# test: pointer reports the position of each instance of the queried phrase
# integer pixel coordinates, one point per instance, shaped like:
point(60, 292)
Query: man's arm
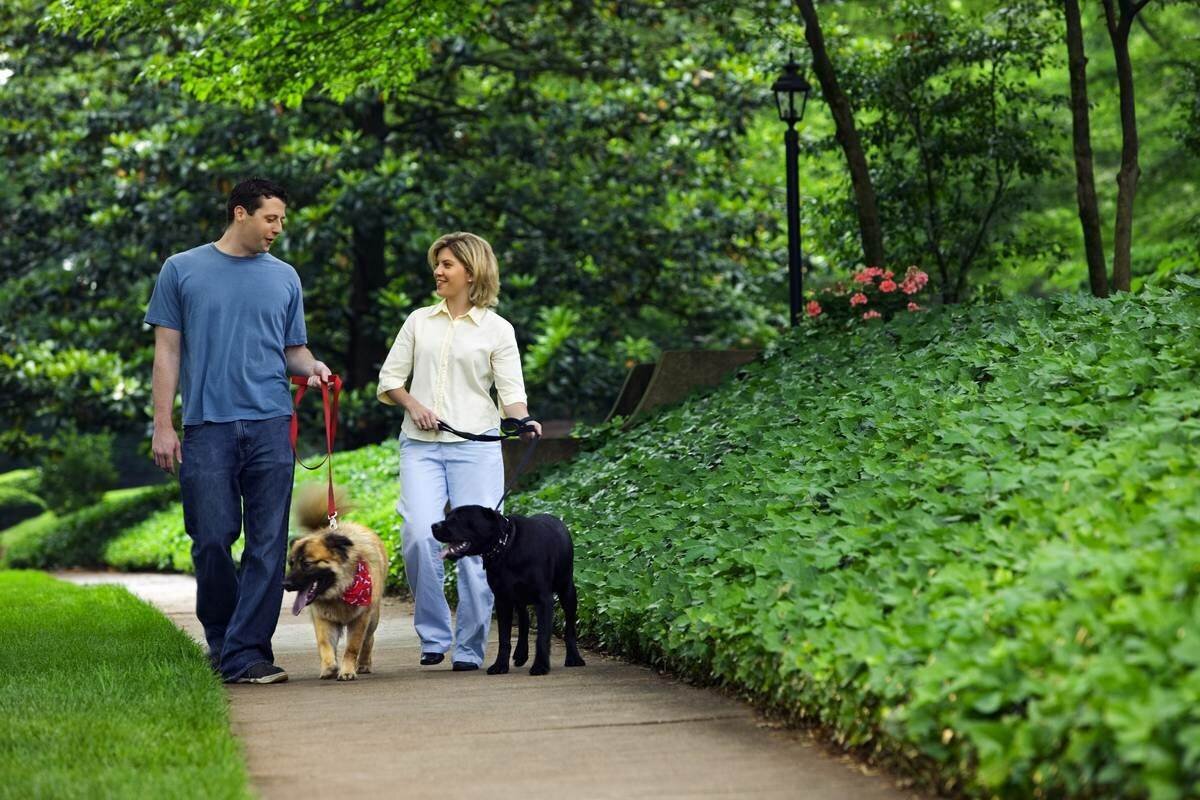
point(165, 444)
point(300, 361)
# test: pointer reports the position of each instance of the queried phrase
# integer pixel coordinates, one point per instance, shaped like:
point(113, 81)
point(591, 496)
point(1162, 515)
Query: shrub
point(77, 470)
point(18, 498)
point(873, 293)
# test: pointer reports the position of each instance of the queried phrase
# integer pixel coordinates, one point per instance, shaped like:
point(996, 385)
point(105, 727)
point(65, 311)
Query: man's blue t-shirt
point(236, 316)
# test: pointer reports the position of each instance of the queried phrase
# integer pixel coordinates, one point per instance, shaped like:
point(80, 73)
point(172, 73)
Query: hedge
point(368, 475)
point(78, 539)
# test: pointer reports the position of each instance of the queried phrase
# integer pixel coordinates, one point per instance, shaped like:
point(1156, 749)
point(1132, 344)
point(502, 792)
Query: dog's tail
point(311, 505)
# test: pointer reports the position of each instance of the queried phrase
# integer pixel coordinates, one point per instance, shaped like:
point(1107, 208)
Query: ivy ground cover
point(968, 542)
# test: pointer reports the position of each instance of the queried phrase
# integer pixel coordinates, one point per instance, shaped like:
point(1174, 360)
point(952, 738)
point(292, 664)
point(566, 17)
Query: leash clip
point(333, 521)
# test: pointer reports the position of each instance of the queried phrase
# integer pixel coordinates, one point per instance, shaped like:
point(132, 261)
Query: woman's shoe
point(429, 659)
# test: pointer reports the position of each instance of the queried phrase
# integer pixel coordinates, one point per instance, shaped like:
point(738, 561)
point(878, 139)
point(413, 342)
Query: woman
point(454, 351)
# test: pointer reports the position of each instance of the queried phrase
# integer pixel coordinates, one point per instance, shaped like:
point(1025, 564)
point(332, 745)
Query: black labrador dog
point(528, 561)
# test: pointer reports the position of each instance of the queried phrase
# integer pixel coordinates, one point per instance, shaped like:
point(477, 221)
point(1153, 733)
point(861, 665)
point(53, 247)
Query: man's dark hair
point(249, 194)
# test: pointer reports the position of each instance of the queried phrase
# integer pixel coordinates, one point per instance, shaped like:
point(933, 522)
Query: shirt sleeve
point(506, 369)
point(399, 362)
point(295, 332)
point(165, 308)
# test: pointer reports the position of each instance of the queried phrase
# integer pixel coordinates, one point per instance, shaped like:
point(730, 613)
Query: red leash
point(330, 430)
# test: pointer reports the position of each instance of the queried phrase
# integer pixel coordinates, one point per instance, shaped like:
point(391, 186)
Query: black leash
point(510, 428)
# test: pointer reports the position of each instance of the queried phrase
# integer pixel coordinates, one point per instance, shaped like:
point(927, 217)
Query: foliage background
point(624, 158)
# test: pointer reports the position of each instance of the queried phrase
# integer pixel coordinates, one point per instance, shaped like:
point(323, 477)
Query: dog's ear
point(339, 544)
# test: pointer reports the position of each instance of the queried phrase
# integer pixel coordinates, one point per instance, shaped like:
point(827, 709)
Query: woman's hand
point(537, 430)
point(424, 419)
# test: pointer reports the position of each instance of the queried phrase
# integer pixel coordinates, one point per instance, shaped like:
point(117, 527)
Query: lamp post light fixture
point(791, 110)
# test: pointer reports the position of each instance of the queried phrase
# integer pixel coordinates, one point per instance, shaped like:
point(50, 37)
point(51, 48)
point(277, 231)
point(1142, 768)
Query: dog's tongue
point(304, 597)
point(454, 550)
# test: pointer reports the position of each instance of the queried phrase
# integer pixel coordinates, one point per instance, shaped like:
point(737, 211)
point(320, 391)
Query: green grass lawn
point(101, 696)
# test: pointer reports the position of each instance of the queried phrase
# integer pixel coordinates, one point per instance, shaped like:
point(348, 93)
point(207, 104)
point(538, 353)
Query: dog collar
point(503, 543)
point(359, 593)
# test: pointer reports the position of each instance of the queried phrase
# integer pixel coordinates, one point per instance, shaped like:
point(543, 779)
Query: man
point(229, 327)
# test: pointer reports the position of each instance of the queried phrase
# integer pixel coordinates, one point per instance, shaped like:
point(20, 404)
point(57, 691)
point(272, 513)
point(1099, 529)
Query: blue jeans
point(465, 473)
point(235, 475)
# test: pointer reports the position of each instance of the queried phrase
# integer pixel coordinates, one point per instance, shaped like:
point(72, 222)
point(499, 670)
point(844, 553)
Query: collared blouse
point(453, 363)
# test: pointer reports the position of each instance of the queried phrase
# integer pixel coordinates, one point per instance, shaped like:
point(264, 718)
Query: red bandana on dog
point(359, 593)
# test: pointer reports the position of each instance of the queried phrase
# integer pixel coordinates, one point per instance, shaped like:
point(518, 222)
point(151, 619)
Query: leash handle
point(332, 386)
point(510, 427)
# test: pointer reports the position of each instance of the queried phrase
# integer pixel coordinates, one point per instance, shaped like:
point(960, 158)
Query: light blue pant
point(465, 473)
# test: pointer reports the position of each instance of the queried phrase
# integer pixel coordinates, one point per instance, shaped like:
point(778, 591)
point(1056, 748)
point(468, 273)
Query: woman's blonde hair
point(476, 255)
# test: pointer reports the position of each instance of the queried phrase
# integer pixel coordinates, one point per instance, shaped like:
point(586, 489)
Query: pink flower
point(872, 315)
point(917, 277)
point(888, 286)
point(858, 299)
point(913, 307)
point(873, 272)
point(887, 276)
point(813, 309)
point(862, 277)
point(909, 287)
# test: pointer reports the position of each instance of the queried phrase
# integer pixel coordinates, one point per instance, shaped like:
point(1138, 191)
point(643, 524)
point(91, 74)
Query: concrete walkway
point(607, 730)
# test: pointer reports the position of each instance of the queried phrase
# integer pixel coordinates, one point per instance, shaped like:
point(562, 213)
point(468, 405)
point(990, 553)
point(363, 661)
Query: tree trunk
point(1085, 181)
point(369, 271)
point(847, 136)
point(1118, 32)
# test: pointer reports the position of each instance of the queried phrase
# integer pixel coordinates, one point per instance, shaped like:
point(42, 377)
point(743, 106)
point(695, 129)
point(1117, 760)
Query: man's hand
point(167, 449)
point(320, 374)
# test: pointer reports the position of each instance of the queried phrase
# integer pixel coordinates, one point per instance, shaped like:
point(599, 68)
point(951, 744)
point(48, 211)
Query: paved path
point(608, 730)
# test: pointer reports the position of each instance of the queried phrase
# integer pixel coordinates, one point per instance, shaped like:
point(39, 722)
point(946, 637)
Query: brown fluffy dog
point(323, 570)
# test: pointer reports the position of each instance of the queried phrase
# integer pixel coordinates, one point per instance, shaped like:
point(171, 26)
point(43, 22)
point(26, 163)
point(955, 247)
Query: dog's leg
point(522, 653)
point(364, 655)
point(570, 601)
point(504, 612)
point(545, 620)
point(356, 633)
point(326, 644)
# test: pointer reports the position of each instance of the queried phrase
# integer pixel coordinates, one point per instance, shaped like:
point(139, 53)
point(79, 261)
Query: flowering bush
point(873, 293)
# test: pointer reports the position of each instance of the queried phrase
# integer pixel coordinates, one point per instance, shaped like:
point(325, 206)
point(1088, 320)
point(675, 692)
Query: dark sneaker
point(263, 672)
point(464, 666)
point(429, 659)
point(214, 661)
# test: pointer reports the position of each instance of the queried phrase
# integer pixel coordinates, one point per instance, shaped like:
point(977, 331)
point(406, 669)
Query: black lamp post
point(791, 111)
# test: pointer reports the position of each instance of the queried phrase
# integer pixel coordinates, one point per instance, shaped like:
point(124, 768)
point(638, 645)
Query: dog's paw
point(347, 676)
point(539, 669)
point(575, 661)
point(520, 657)
point(498, 669)
point(326, 674)
point(364, 669)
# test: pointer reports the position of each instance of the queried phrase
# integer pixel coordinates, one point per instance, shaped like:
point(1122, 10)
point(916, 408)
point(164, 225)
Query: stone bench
point(675, 375)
